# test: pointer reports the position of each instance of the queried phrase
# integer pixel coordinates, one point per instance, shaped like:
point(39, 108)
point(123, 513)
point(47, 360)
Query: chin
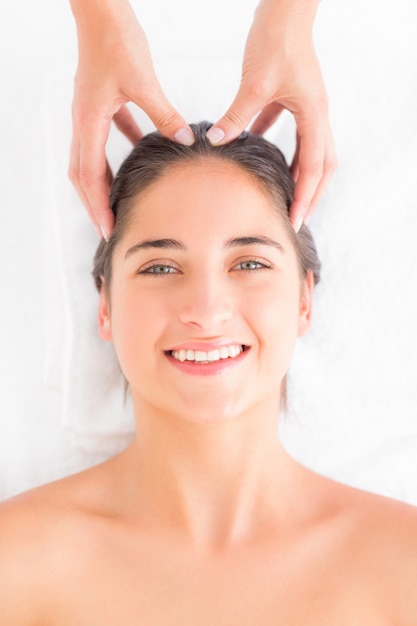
point(209, 406)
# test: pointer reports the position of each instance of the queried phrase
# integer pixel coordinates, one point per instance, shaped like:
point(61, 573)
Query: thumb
point(238, 117)
point(167, 119)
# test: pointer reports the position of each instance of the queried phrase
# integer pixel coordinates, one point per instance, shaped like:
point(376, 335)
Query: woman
point(205, 519)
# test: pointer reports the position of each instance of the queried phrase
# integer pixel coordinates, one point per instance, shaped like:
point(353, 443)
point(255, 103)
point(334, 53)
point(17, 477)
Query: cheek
point(275, 314)
point(136, 325)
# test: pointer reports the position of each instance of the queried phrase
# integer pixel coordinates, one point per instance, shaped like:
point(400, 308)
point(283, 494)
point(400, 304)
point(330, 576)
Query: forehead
point(207, 193)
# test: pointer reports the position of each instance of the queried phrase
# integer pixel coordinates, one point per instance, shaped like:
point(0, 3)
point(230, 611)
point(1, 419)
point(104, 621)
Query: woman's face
point(206, 300)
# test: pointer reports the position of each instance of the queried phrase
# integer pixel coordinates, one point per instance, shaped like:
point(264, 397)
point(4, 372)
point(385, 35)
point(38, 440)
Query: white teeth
point(199, 356)
point(214, 355)
point(224, 352)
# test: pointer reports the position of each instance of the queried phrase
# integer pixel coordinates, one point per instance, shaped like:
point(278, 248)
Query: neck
point(216, 482)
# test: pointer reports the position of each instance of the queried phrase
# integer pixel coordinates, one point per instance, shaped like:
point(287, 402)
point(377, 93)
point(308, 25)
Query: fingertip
point(104, 231)
point(185, 137)
point(104, 221)
point(298, 214)
point(298, 223)
point(215, 135)
point(107, 224)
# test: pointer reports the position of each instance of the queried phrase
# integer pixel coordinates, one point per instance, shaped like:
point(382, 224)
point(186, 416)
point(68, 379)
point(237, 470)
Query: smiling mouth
point(201, 357)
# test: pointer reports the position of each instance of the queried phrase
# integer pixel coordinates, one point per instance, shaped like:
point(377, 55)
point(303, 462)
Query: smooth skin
point(280, 71)
point(205, 519)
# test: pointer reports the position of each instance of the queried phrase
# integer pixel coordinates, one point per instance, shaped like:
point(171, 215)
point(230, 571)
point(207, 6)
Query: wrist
point(89, 12)
point(299, 14)
point(288, 22)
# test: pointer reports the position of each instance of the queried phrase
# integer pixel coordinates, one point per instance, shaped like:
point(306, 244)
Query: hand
point(114, 67)
point(281, 71)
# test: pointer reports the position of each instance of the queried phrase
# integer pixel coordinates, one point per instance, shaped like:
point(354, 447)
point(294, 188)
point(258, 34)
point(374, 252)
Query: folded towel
point(95, 408)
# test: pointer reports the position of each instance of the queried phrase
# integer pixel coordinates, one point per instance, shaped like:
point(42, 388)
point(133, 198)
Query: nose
point(207, 303)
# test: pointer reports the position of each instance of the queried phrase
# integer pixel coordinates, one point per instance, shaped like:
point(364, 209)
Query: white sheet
point(353, 397)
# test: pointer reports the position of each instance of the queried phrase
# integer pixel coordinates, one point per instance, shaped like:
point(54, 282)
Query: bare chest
point(163, 587)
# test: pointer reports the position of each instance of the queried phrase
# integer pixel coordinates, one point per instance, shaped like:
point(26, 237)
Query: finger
point(165, 117)
point(330, 166)
point(266, 118)
point(295, 171)
point(73, 171)
point(310, 168)
point(126, 123)
point(94, 176)
point(241, 112)
point(109, 175)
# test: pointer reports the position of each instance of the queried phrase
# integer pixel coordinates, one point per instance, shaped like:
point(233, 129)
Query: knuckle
point(234, 119)
point(259, 89)
point(167, 120)
point(86, 177)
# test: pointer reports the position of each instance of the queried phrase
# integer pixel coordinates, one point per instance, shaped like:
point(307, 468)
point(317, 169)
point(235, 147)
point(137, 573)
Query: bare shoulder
point(381, 543)
point(41, 532)
point(25, 557)
point(387, 523)
point(392, 535)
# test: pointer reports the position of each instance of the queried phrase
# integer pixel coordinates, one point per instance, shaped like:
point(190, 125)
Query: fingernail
point(298, 223)
point(184, 136)
point(215, 134)
point(98, 231)
point(104, 232)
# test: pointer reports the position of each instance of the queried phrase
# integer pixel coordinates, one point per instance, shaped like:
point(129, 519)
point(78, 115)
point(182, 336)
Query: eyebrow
point(174, 244)
point(171, 244)
point(257, 240)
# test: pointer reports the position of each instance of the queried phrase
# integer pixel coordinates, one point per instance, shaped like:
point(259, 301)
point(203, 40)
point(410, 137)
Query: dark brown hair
point(154, 154)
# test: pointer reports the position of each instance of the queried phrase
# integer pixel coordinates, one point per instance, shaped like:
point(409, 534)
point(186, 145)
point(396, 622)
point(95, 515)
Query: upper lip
point(204, 347)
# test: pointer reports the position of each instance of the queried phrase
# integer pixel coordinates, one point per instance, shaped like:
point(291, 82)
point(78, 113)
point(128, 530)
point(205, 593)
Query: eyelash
point(150, 269)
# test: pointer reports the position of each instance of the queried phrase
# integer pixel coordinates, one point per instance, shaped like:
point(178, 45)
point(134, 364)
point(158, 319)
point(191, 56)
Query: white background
point(353, 391)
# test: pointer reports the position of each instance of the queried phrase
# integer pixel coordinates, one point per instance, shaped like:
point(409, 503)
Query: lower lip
point(207, 369)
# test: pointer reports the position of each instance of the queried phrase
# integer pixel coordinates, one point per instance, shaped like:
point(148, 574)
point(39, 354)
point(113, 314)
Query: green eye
point(250, 265)
point(159, 269)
